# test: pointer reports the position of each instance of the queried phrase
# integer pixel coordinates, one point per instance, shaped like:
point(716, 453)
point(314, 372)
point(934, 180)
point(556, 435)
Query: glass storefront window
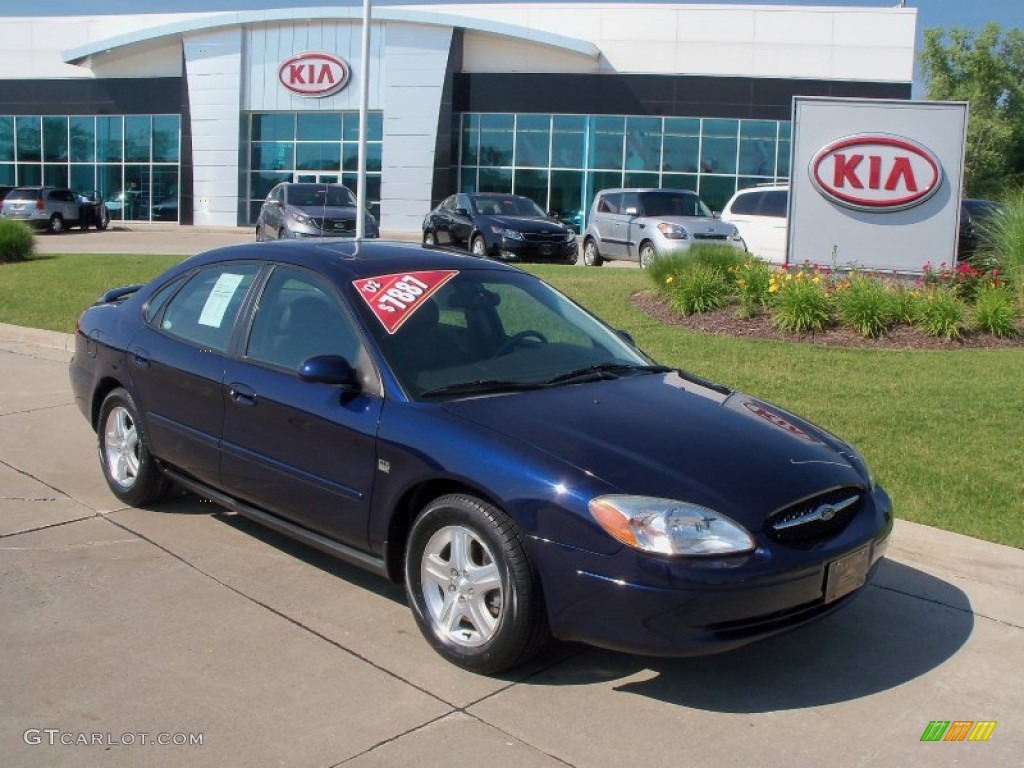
point(643, 144)
point(496, 139)
point(28, 139)
point(318, 156)
point(566, 198)
point(55, 139)
point(533, 141)
point(166, 138)
point(319, 126)
point(55, 175)
point(606, 139)
point(495, 180)
point(757, 147)
point(568, 141)
point(273, 127)
point(682, 144)
point(7, 174)
point(471, 140)
point(138, 138)
point(718, 146)
point(6, 139)
point(83, 139)
point(83, 178)
point(533, 184)
point(273, 155)
point(715, 191)
point(109, 135)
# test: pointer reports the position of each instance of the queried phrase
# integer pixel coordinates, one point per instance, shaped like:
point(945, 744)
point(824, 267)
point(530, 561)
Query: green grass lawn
point(942, 430)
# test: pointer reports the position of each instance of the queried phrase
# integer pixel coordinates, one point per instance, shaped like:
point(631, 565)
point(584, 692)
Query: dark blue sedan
point(459, 425)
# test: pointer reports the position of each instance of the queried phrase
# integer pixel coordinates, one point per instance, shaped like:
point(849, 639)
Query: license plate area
point(847, 574)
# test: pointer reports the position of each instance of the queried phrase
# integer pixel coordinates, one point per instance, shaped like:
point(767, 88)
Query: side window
point(205, 309)
point(746, 204)
point(609, 204)
point(630, 203)
point(449, 204)
point(159, 299)
point(462, 201)
point(298, 318)
point(774, 203)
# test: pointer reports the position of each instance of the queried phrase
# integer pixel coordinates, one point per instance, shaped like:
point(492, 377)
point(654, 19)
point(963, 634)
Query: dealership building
point(195, 117)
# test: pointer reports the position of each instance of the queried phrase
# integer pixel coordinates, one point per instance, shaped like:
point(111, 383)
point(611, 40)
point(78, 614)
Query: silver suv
point(297, 210)
point(641, 224)
point(50, 208)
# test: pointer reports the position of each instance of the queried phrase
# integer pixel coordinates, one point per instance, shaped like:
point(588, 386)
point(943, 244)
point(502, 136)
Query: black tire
point(130, 471)
point(512, 625)
point(259, 234)
point(591, 256)
point(282, 234)
point(56, 225)
point(429, 238)
point(478, 246)
point(104, 220)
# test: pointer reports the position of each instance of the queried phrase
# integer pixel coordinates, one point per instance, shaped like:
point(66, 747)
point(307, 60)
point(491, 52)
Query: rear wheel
point(478, 246)
point(56, 224)
point(591, 256)
point(429, 238)
point(259, 234)
point(130, 471)
point(103, 221)
point(470, 585)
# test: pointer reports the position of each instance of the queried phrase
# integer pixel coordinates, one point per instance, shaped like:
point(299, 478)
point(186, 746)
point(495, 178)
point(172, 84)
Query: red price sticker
point(394, 298)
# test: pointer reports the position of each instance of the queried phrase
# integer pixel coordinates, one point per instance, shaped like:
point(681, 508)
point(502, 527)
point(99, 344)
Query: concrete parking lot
point(123, 627)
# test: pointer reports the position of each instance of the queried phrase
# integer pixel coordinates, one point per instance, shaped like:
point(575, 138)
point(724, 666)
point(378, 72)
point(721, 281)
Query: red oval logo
point(876, 172)
point(313, 74)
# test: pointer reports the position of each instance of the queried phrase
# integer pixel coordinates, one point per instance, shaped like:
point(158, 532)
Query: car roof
point(659, 190)
point(344, 259)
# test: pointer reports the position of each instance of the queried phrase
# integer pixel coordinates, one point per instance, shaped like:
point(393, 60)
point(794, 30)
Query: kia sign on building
point(313, 74)
point(875, 184)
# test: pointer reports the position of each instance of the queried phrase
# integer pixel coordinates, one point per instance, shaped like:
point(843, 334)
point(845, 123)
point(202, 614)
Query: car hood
point(347, 212)
point(663, 435)
point(529, 224)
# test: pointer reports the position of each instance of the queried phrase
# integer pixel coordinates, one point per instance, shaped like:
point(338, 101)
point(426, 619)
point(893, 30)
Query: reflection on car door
point(632, 225)
point(461, 221)
point(177, 361)
point(305, 451)
point(610, 224)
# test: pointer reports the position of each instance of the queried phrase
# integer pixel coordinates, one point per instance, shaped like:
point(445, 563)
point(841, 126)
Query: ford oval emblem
point(313, 74)
point(876, 172)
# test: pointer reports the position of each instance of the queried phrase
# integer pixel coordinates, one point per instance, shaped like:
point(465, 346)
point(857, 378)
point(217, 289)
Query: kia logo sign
point(313, 74)
point(876, 172)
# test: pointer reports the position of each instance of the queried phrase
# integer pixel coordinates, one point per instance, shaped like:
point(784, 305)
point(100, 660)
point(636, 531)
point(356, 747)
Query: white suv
point(759, 213)
point(640, 224)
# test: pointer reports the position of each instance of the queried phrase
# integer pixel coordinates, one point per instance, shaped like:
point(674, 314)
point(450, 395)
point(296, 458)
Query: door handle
point(242, 394)
point(141, 358)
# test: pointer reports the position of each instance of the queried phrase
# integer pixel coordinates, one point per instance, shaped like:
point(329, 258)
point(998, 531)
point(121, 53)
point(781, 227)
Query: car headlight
point(570, 236)
point(735, 236)
point(669, 527)
point(860, 464)
point(673, 231)
point(301, 218)
point(508, 234)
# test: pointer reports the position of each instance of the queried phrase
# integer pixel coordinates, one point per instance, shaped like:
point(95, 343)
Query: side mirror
point(461, 212)
point(631, 210)
point(330, 369)
point(626, 335)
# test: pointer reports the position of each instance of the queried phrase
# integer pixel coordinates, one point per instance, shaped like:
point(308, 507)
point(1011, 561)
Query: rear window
point(23, 194)
point(747, 203)
point(774, 203)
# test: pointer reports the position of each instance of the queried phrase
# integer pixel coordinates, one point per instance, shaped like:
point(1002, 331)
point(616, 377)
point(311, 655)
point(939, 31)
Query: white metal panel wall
point(213, 65)
point(415, 61)
point(268, 45)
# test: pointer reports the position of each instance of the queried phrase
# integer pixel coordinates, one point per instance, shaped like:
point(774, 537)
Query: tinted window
point(298, 318)
point(747, 203)
point(672, 204)
point(774, 203)
point(609, 203)
point(205, 309)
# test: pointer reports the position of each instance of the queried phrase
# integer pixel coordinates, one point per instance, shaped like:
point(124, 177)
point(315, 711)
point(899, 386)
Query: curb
point(37, 336)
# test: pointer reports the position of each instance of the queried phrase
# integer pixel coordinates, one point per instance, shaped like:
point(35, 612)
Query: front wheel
point(470, 586)
point(478, 246)
point(56, 225)
point(103, 221)
point(591, 256)
point(130, 471)
point(647, 255)
point(429, 238)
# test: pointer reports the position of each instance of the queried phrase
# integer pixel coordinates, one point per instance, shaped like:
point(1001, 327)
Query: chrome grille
point(816, 517)
point(545, 238)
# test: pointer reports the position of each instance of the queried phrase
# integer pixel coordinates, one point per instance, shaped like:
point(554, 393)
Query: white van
point(759, 213)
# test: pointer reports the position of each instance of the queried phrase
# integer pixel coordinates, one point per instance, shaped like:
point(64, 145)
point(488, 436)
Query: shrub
point(865, 305)
point(799, 301)
point(699, 288)
point(903, 303)
point(993, 311)
point(723, 258)
point(17, 242)
point(663, 268)
point(752, 279)
point(941, 313)
point(1003, 235)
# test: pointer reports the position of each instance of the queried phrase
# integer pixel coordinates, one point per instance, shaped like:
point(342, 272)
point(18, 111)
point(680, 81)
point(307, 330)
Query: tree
point(987, 71)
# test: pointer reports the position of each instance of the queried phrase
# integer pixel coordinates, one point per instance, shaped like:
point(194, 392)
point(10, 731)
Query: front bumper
point(664, 609)
point(520, 250)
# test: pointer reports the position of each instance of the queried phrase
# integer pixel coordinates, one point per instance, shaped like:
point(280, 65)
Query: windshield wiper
point(482, 385)
point(604, 370)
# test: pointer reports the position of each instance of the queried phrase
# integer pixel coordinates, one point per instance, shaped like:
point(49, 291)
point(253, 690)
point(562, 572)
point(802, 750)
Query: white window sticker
point(218, 300)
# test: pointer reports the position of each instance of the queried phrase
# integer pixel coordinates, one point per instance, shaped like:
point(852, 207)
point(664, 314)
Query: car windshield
point(507, 205)
point(318, 195)
point(455, 333)
point(672, 204)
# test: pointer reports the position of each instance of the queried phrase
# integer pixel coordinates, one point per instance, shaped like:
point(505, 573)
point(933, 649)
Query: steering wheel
point(517, 339)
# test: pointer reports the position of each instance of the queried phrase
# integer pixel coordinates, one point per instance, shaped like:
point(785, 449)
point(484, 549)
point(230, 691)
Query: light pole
point(364, 96)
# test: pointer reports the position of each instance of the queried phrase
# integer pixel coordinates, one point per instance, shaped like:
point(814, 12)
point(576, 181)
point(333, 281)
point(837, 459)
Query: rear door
point(609, 224)
point(302, 450)
point(760, 216)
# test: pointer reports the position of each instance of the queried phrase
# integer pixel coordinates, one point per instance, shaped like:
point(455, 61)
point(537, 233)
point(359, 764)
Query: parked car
point(642, 224)
point(296, 210)
point(51, 208)
point(760, 215)
point(504, 227)
point(973, 214)
point(459, 426)
point(93, 210)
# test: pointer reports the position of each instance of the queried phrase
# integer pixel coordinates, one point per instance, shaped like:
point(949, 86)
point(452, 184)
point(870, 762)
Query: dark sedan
point(505, 227)
point(460, 426)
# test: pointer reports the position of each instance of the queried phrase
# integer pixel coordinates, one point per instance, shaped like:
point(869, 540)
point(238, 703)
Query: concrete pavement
point(186, 621)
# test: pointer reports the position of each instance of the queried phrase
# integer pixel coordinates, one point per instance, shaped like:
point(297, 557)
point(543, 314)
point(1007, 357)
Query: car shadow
point(905, 624)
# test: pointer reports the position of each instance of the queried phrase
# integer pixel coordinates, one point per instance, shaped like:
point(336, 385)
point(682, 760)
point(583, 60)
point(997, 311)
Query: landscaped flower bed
point(952, 304)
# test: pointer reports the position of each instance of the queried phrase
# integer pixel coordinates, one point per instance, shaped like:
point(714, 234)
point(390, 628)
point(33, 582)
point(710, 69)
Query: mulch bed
point(724, 322)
